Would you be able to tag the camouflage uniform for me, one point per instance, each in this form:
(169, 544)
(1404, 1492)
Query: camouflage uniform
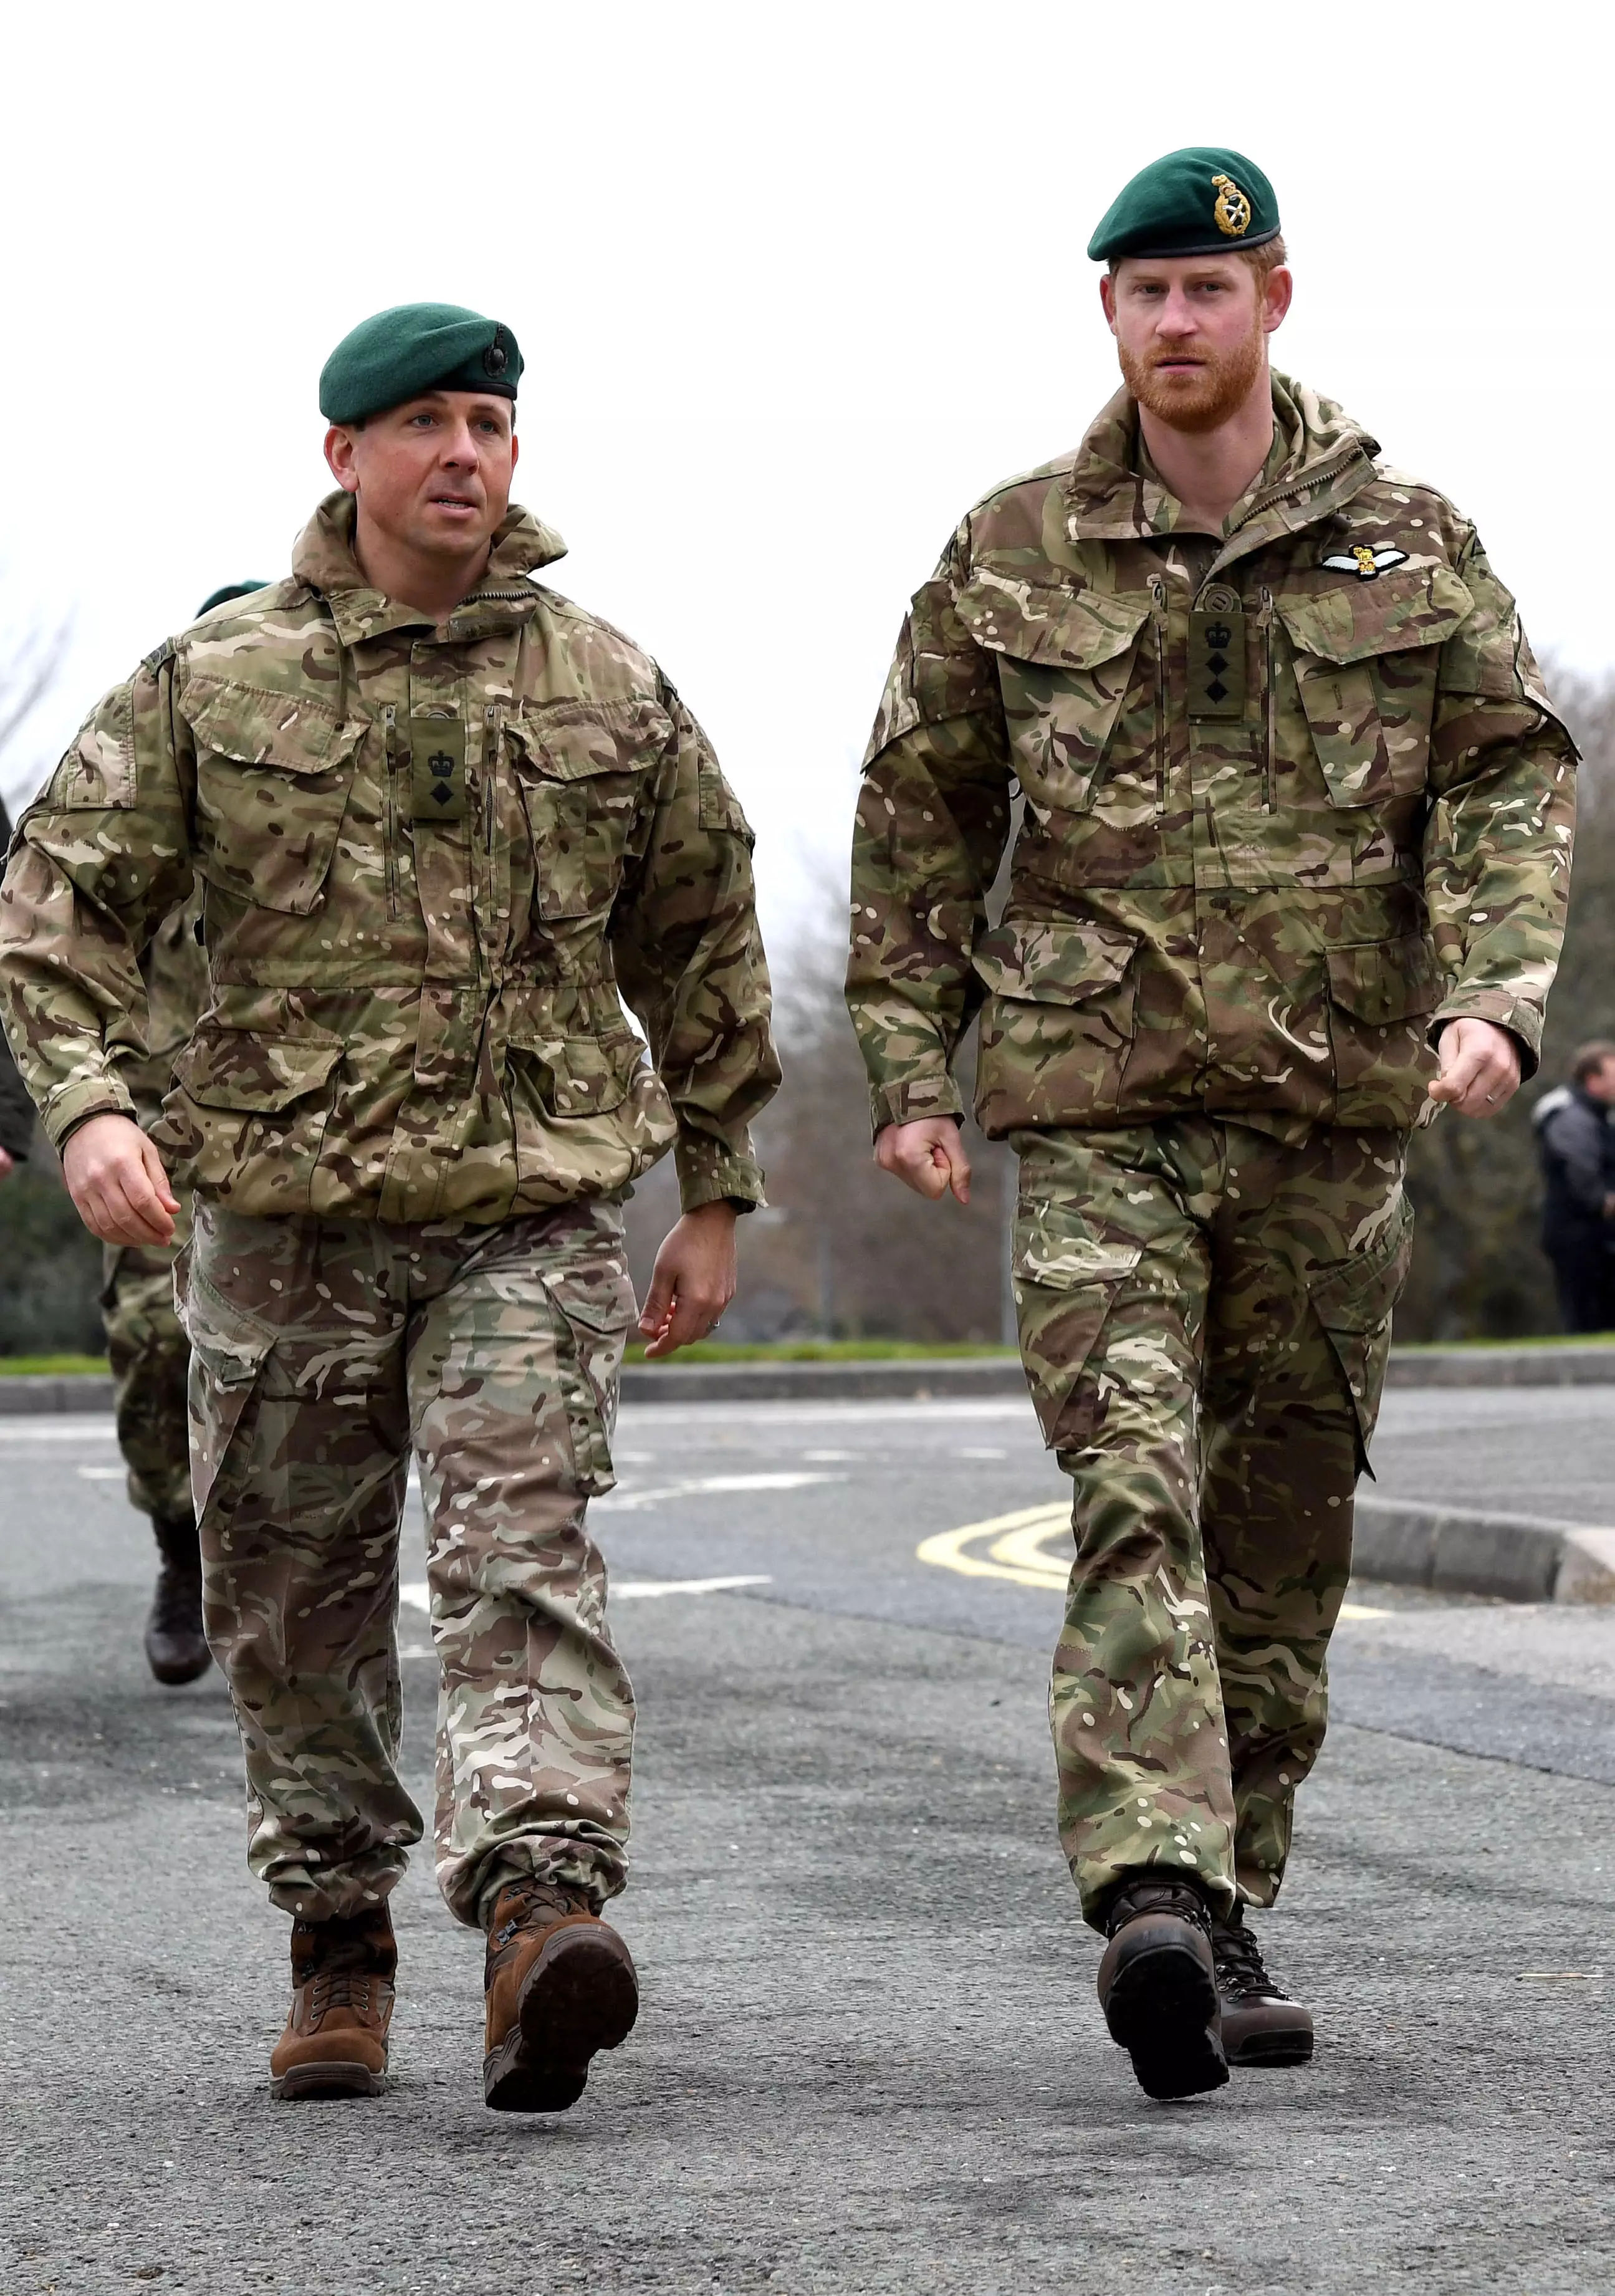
(149, 1353)
(431, 856)
(1294, 798)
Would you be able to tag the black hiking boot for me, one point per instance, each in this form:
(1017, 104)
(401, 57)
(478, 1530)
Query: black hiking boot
(176, 1649)
(1158, 1985)
(1261, 2024)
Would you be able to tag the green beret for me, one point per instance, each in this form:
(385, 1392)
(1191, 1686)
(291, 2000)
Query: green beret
(1202, 201)
(230, 590)
(414, 348)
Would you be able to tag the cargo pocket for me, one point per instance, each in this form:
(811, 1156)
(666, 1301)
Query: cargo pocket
(1381, 998)
(1066, 662)
(1365, 664)
(1058, 1024)
(228, 1353)
(593, 1315)
(1067, 1279)
(581, 766)
(274, 772)
(1353, 1299)
(244, 1099)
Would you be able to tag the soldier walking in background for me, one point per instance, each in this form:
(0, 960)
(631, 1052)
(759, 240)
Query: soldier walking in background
(441, 817)
(16, 1109)
(1577, 1144)
(149, 1354)
(1292, 870)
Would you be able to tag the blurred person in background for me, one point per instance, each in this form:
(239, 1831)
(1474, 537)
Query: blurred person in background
(16, 1109)
(1577, 1150)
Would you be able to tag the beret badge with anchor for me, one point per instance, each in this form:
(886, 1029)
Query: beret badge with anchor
(1367, 564)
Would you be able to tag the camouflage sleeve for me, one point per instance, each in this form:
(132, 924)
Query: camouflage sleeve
(932, 821)
(100, 857)
(690, 965)
(1498, 845)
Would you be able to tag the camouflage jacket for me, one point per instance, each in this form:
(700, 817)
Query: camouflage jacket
(431, 856)
(1295, 800)
(146, 1044)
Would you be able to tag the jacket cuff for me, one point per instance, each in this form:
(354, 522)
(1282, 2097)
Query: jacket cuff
(1523, 1021)
(75, 1104)
(905, 1104)
(708, 1173)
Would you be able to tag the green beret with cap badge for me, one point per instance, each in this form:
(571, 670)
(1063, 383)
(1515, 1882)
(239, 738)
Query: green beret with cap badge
(1203, 201)
(417, 346)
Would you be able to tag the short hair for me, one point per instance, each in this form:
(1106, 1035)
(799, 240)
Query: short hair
(1262, 259)
(1591, 1057)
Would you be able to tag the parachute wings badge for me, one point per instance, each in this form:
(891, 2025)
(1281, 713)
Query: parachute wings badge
(1366, 564)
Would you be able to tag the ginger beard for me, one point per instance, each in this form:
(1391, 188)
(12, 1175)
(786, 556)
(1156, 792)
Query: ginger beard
(1205, 397)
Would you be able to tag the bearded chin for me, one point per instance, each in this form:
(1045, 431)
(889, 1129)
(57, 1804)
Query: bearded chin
(1220, 389)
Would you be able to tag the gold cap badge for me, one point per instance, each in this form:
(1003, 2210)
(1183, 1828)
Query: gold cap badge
(1233, 208)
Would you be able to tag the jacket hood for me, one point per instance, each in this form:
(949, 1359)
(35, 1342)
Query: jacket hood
(1321, 458)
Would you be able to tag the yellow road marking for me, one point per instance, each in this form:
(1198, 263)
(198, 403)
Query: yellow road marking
(1018, 1548)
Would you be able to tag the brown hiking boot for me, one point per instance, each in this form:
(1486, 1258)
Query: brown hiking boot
(561, 1985)
(1158, 1985)
(335, 2041)
(1261, 2024)
(176, 1649)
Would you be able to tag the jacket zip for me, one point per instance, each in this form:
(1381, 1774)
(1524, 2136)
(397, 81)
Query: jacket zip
(389, 808)
(1158, 590)
(1269, 769)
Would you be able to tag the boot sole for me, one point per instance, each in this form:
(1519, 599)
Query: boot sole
(1273, 2049)
(578, 1997)
(1163, 2010)
(303, 2081)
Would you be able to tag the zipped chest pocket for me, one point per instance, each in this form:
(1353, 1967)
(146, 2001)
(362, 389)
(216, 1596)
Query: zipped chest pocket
(583, 768)
(1070, 675)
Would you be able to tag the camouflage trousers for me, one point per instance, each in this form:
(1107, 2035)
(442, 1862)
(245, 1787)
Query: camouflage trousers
(1205, 1315)
(150, 1357)
(324, 1352)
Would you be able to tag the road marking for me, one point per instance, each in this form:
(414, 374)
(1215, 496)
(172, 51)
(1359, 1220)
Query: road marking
(628, 1590)
(69, 1430)
(702, 1486)
(1020, 1547)
(101, 1475)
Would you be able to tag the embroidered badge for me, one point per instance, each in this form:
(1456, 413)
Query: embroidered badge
(1366, 564)
(1233, 208)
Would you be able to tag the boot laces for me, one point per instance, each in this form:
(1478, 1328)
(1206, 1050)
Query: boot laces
(1239, 1968)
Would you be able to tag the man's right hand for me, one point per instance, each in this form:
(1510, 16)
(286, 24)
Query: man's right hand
(116, 1179)
(927, 1156)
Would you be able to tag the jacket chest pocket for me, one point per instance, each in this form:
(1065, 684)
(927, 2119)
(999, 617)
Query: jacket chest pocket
(582, 768)
(1066, 661)
(274, 774)
(1366, 657)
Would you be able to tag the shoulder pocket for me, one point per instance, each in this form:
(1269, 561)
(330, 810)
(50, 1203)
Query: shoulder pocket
(1366, 655)
(1066, 662)
(581, 766)
(98, 772)
(273, 776)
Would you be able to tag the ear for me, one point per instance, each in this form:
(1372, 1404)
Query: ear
(1275, 298)
(515, 447)
(1107, 296)
(339, 455)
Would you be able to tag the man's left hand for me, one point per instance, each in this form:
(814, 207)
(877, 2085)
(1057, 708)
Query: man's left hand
(693, 1281)
(1479, 1067)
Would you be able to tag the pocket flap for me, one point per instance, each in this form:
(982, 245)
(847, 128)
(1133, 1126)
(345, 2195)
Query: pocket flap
(1416, 606)
(1358, 1293)
(581, 1076)
(292, 731)
(1389, 980)
(1059, 1248)
(1054, 963)
(1076, 628)
(232, 1068)
(570, 739)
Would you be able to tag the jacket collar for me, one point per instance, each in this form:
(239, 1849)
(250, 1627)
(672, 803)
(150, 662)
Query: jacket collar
(1320, 459)
(324, 559)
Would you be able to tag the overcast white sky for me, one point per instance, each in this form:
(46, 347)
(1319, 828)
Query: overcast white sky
(794, 287)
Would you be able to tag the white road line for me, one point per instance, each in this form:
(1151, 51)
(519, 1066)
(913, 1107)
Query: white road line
(627, 1590)
(62, 1431)
(101, 1475)
(646, 1416)
(702, 1486)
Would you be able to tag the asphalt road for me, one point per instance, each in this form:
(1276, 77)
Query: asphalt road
(869, 2058)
